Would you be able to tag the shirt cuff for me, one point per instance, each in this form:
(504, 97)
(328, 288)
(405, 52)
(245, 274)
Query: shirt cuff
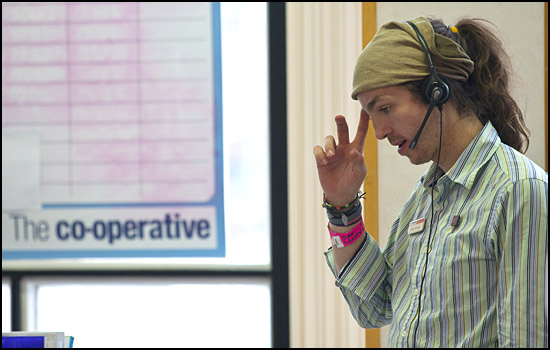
(364, 272)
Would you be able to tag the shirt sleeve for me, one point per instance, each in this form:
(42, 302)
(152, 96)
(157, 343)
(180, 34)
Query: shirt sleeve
(521, 229)
(365, 284)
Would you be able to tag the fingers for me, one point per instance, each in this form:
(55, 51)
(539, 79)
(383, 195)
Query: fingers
(362, 129)
(330, 146)
(342, 129)
(320, 156)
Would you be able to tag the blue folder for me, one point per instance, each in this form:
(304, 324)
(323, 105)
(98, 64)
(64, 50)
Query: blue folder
(23, 342)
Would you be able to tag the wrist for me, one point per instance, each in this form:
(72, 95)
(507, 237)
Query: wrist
(350, 218)
(339, 202)
(344, 239)
(344, 215)
(343, 229)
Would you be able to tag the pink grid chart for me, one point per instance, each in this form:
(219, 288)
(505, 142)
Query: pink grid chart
(122, 94)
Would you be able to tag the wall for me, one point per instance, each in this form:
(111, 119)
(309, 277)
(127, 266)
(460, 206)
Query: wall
(323, 41)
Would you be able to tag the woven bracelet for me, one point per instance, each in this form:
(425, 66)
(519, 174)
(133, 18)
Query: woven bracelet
(345, 218)
(344, 215)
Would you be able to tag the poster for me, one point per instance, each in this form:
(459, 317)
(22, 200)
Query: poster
(111, 130)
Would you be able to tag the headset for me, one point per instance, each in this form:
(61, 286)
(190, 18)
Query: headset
(435, 88)
(436, 91)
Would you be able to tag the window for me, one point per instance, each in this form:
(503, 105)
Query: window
(6, 306)
(233, 301)
(153, 312)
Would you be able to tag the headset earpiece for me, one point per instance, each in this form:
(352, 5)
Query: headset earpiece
(436, 87)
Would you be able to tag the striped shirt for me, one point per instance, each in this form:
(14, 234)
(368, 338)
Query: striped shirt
(485, 278)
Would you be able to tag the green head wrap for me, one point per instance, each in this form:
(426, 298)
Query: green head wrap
(394, 56)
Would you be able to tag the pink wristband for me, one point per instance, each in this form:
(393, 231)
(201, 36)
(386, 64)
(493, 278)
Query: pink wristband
(341, 240)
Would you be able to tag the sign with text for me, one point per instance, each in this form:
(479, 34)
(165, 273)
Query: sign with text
(111, 130)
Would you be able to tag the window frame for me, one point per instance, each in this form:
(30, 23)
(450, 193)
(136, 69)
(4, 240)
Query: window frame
(278, 273)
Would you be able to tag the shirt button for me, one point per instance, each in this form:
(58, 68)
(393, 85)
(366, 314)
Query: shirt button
(416, 291)
(404, 334)
(425, 250)
(437, 207)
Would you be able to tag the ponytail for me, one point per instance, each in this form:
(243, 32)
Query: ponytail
(486, 93)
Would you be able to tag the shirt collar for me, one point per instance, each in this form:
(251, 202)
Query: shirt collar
(474, 157)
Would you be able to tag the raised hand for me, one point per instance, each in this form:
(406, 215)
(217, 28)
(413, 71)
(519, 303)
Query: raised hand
(341, 167)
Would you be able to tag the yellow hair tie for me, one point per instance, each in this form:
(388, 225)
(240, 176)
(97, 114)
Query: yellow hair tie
(454, 29)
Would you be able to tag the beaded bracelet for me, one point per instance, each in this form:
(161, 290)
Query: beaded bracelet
(344, 215)
(327, 205)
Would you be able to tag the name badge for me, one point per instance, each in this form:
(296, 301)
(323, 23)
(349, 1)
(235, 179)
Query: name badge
(416, 226)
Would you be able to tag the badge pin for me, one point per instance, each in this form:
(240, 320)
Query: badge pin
(416, 226)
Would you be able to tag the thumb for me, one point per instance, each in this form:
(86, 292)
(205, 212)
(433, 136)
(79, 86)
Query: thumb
(358, 164)
(355, 155)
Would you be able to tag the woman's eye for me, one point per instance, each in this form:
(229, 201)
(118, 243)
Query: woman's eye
(385, 109)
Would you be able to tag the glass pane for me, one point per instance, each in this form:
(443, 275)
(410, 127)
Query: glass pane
(6, 306)
(246, 131)
(244, 40)
(155, 313)
(246, 134)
